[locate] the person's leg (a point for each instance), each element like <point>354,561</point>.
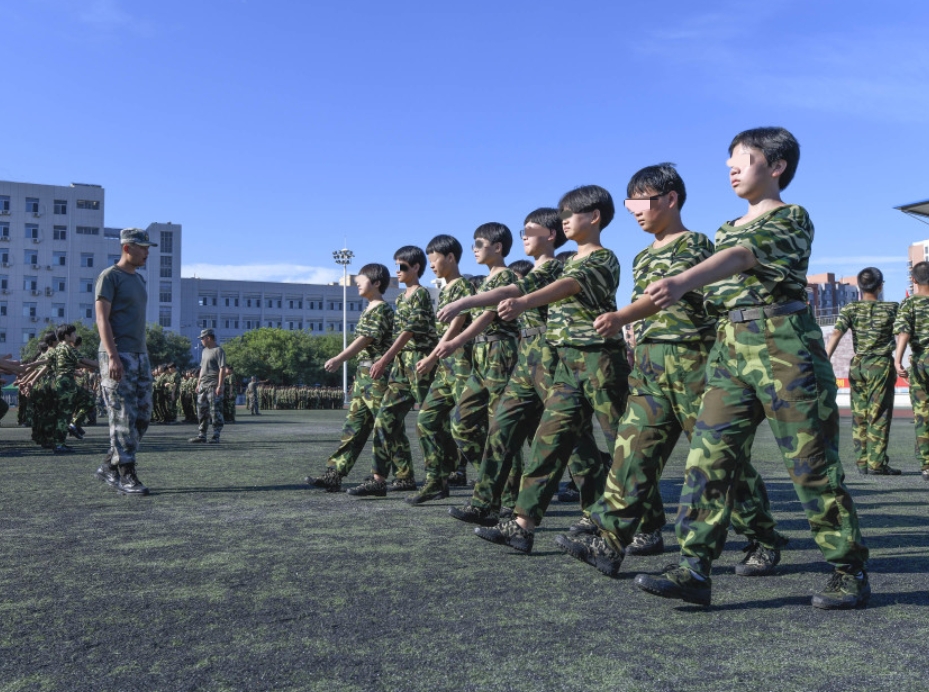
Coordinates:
<point>881,380</point>
<point>858,400</point>
<point>919,397</point>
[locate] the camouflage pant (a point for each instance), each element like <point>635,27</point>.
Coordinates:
<point>4,407</point>
<point>128,403</point>
<point>872,380</point>
<point>437,431</point>
<point>919,397</point>
<point>586,382</point>
<point>665,390</point>
<point>366,400</point>
<point>492,364</point>
<point>778,367</point>
<point>209,410</point>
<point>404,388</point>
<point>74,402</point>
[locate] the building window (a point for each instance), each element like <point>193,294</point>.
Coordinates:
<point>295,304</point>
<point>61,206</point>
<point>5,258</point>
<point>60,233</point>
<point>3,309</point>
<point>87,285</point>
<point>88,230</point>
<point>58,310</point>
<point>29,310</point>
<point>5,284</point>
<point>32,232</point>
<point>167,242</point>
<point>31,257</point>
<point>88,204</point>
<point>4,204</point>
<point>164,318</point>
<point>167,267</point>
<point>60,258</point>
<point>231,302</point>
<point>28,335</point>
<point>164,293</point>
<point>2,337</point>
<point>231,324</point>
<point>59,284</point>
<point>4,231</point>
<point>32,205</point>
<point>87,259</point>
<point>87,310</point>
<point>112,259</point>
<point>30,283</point>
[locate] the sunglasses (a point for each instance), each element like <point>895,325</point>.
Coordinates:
<point>403,266</point>
<point>642,203</point>
<point>740,161</point>
<point>479,244</point>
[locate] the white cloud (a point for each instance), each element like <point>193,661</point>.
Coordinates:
<point>288,273</point>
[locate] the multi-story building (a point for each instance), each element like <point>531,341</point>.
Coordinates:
<point>53,245</point>
<point>827,295</point>
<point>917,252</point>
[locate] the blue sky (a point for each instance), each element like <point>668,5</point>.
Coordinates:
<point>275,131</point>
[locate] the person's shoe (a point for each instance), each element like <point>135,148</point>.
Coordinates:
<point>677,582</point>
<point>862,470</point>
<point>108,473</point>
<point>506,513</point>
<point>371,488</point>
<point>458,479</point>
<point>431,490</point>
<point>330,481</point>
<point>197,440</point>
<point>925,473</point>
<point>646,544</point>
<point>75,431</point>
<point>80,431</point>
<point>475,515</point>
<point>844,592</point>
<point>507,533</point>
<point>214,440</point>
<point>129,483</point>
<point>592,549</point>
<point>758,561</point>
<point>569,494</point>
<point>885,470</point>
<point>401,484</point>
<point>62,449</point>
<point>585,525</point>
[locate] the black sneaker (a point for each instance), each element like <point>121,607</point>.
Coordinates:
<point>925,473</point>
<point>431,490</point>
<point>885,470</point>
<point>401,485</point>
<point>62,449</point>
<point>594,550</point>
<point>458,479</point>
<point>758,561</point>
<point>677,582</point>
<point>197,440</point>
<point>75,431</point>
<point>330,481</point>
<point>371,488</point>
<point>214,440</point>
<point>862,470</point>
<point>508,533</point>
<point>569,494</point>
<point>506,513</point>
<point>475,515</point>
<point>129,483</point>
<point>585,525</point>
<point>844,592</point>
<point>109,474</point>
<point>646,544</point>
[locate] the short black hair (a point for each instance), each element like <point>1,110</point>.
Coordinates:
<point>662,178</point>
<point>412,255</point>
<point>521,267</point>
<point>920,273</point>
<point>378,274</point>
<point>476,281</point>
<point>777,144</point>
<point>64,330</point>
<point>870,279</point>
<point>50,338</point>
<point>589,198</point>
<point>444,245</point>
<point>547,217</point>
<point>563,257</point>
<point>494,232</point>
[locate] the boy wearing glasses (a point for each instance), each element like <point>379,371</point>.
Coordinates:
<point>494,351</point>
<point>591,376</point>
<point>768,359</point>
<point>665,391</point>
<point>414,336</point>
<point>436,433</point>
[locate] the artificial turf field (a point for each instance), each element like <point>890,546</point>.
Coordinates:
<point>232,575</point>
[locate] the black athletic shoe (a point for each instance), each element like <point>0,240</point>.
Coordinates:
<point>758,561</point>
<point>584,525</point>
<point>646,544</point>
<point>677,582</point>
<point>401,485</point>
<point>592,549</point>
<point>431,490</point>
<point>129,483</point>
<point>508,533</point>
<point>197,440</point>
<point>109,474</point>
<point>458,479</point>
<point>885,470</point>
<point>925,473</point>
<point>62,449</point>
<point>474,515</point>
<point>214,440</point>
<point>844,592</point>
<point>75,431</point>
<point>371,488</point>
<point>330,481</point>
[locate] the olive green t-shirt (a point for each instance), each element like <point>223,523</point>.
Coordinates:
<point>871,322</point>
<point>127,295</point>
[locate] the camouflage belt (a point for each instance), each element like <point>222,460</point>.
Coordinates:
<point>488,338</point>
<point>526,333</point>
<point>365,363</point>
<point>775,310</point>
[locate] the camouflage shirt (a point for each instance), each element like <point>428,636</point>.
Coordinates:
<point>571,321</point>
<point>459,288</point>
<point>416,315</point>
<point>687,319</point>
<point>780,240</point>
<point>539,277</point>
<point>871,322</point>
<point>498,326</point>
<point>67,360</point>
<point>376,323</point>
<point>913,319</point>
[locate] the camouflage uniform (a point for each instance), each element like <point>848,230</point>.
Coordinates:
<point>209,403</point>
<point>43,399</point>
<point>776,365</point>
<point>128,403</point>
<point>871,376</point>
<point>665,390</point>
<point>591,378</point>
<point>913,319</point>
<point>74,402</point>
<point>494,356</point>
<point>405,387</point>
<point>376,323</point>
<point>440,453</point>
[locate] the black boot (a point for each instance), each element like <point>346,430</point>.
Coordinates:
<point>129,483</point>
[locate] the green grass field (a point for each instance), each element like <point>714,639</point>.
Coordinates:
<point>232,575</point>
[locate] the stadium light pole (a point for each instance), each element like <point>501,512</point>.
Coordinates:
<point>344,258</point>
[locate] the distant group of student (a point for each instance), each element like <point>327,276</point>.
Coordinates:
<point>723,338</point>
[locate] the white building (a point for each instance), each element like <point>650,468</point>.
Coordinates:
<point>53,245</point>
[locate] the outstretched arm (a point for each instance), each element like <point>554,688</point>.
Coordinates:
<point>723,264</point>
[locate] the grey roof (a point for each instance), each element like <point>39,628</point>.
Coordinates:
<point>916,209</point>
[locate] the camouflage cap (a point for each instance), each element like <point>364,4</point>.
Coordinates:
<point>135,236</point>
<point>207,332</point>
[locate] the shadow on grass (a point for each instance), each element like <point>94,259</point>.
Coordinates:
<point>230,489</point>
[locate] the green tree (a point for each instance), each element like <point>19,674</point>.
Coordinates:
<point>284,357</point>
<point>167,347</point>
<point>90,342</point>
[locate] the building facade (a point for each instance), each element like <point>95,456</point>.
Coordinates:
<point>53,245</point>
<point>827,295</point>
